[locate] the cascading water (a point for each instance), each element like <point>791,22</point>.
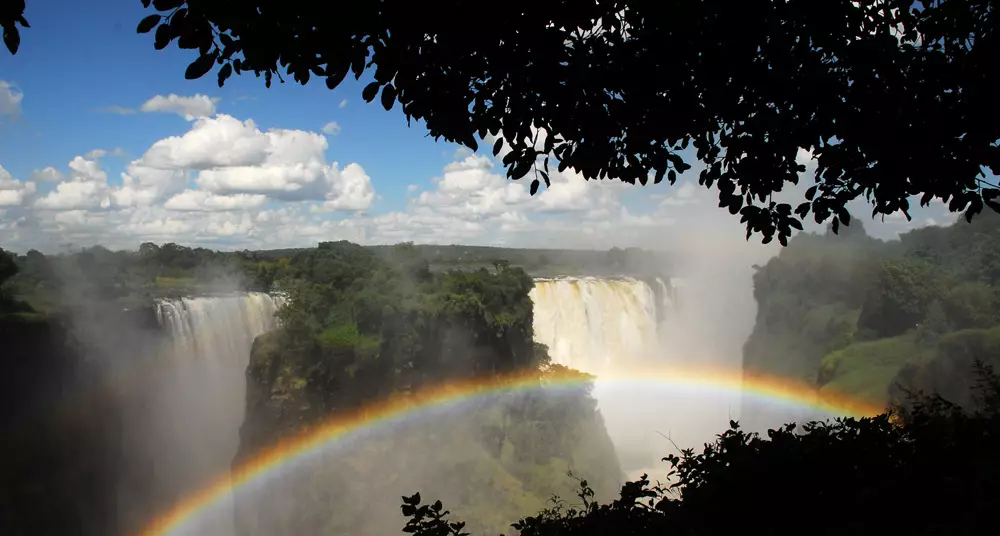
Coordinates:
<point>592,324</point>
<point>599,324</point>
<point>195,401</point>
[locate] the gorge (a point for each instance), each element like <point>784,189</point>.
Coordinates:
<point>203,381</point>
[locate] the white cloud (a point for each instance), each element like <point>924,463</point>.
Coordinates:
<point>192,107</point>
<point>12,191</point>
<point>100,153</point>
<point>10,100</point>
<point>233,157</point>
<point>87,188</point>
<point>331,128</point>
<point>224,182</point>
<point>343,103</point>
<point>48,174</point>
<point>200,200</point>
<point>685,194</point>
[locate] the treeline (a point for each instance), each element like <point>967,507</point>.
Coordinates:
<point>45,283</point>
<point>875,319</point>
<point>34,281</point>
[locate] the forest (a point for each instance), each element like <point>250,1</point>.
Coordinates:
<point>876,319</point>
<point>44,283</point>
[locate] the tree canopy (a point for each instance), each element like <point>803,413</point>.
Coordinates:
<point>893,98</point>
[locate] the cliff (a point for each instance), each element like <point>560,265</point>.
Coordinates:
<point>59,437</point>
<point>490,460</point>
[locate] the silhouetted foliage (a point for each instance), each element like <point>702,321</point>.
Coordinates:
<point>894,98</point>
<point>12,14</point>
<point>926,468</point>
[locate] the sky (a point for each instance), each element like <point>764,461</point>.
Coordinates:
<point>103,141</point>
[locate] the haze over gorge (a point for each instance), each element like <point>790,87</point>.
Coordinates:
<point>171,390</point>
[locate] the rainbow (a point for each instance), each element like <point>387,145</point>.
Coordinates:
<point>405,408</point>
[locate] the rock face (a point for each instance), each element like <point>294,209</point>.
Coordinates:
<point>68,390</point>
<point>489,461</point>
<point>58,435</point>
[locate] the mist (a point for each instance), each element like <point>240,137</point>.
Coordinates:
<point>190,405</point>
<point>175,369</point>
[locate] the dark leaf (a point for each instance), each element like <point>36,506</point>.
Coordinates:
<point>534,187</point>
<point>11,38</point>
<point>369,92</point>
<point>545,177</point>
<point>844,215</point>
<point>162,37</point>
<point>388,96</point>
<point>336,76</point>
<point>672,176</point>
<point>659,176</point>
<point>200,67</point>
<point>224,73</point>
<point>148,23</point>
<point>497,146</point>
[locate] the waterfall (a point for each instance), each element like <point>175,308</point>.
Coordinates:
<point>195,401</point>
<point>599,324</point>
<point>591,323</point>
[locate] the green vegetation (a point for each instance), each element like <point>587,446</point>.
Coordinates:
<point>873,319</point>
<point>366,324</point>
<point>47,283</point>
<point>929,468</point>
<point>361,324</point>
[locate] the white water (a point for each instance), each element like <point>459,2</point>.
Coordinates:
<point>592,324</point>
<point>197,400</point>
<point>596,325</point>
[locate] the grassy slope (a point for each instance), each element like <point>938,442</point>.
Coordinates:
<point>866,370</point>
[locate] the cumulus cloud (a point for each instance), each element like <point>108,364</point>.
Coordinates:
<point>473,202</point>
<point>10,100</point>
<point>331,128</point>
<point>100,153</point>
<point>233,157</point>
<point>192,107</point>
<point>200,200</point>
<point>223,181</point>
<point>48,174</point>
<point>86,188</point>
<point>227,183</point>
<point>12,191</point>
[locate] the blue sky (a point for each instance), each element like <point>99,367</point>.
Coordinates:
<point>102,140</point>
